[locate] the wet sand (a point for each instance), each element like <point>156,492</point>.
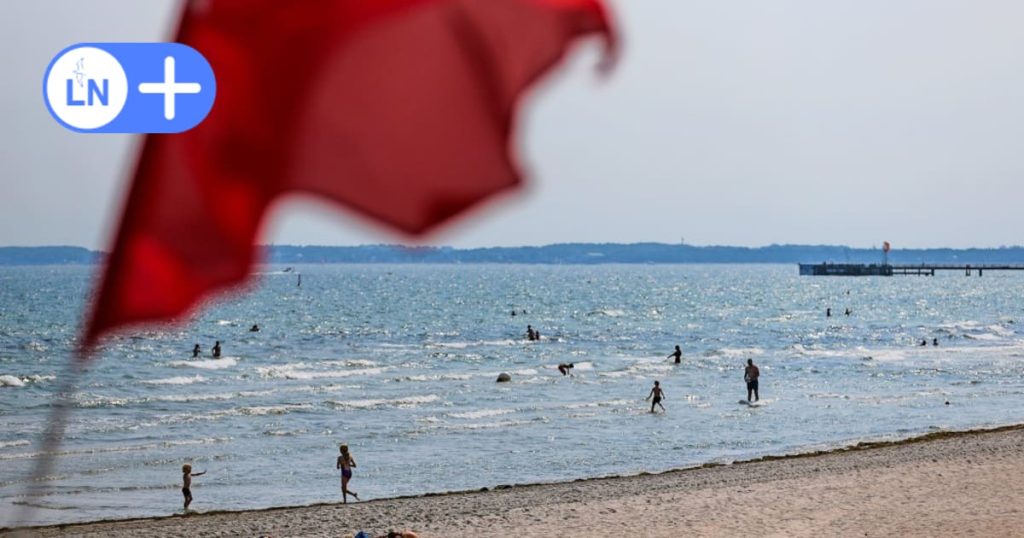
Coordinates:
<point>950,484</point>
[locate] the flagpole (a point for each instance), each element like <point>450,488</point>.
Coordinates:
<point>50,441</point>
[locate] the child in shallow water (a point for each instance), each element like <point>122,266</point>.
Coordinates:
<point>657,394</point>
<point>346,462</point>
<point>186,483</point>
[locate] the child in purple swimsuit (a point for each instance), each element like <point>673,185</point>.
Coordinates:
<point>346,463</point>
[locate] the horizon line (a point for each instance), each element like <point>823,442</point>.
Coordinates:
<point>413,246</point>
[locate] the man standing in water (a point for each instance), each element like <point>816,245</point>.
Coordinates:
<point>750,375</point>
<point>678,354</point>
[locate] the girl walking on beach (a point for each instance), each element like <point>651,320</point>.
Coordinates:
<point>346,463</point>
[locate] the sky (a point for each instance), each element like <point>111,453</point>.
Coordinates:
<point>725,122</point>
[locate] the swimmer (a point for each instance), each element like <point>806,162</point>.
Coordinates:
<point>254,329</point>
<point>657,394</point>
<point>678,354</point>
<point>564,368</point>
<point>196,351</point>
<point>216,350</point>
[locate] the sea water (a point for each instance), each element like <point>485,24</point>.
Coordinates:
<point>400,362</point>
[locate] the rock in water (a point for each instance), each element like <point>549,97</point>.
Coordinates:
<point>504,378</point>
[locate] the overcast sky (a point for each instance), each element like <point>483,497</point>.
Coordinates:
<point>726,122</point>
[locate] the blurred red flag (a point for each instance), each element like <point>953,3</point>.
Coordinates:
<point>400,109</point>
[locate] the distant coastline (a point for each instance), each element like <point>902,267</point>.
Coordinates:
<point>564,253</point>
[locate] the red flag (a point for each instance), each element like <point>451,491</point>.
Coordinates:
<point>400,109</point>
<point>885,246</point>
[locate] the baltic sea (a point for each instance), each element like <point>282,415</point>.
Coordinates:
<point>400,362</point>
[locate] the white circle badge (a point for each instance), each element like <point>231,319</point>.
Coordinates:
<point>86,88</point>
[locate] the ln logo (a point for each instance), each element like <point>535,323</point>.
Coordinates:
<point>129,88</point>
<point>86,88</point>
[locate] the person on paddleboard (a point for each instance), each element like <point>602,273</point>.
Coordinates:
<point>750,375</point>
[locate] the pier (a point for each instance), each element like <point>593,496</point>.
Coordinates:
<point>924,269</point>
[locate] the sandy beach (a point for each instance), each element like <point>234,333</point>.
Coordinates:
<point>948,484</point>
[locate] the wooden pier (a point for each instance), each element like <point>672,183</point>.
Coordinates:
<point>924,269</point>
<point>967,269</point>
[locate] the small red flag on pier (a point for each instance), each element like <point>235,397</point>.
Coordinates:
<point>885,247</point>
<point>399,109</point>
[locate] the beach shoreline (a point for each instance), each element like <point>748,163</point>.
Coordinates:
<point>432,513</point>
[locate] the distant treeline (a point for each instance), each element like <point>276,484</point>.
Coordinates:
<point>597,253</point>
<point>568,253</point>
<point>48,256</point>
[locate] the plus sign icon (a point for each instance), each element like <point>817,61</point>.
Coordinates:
<point>129,87</point>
